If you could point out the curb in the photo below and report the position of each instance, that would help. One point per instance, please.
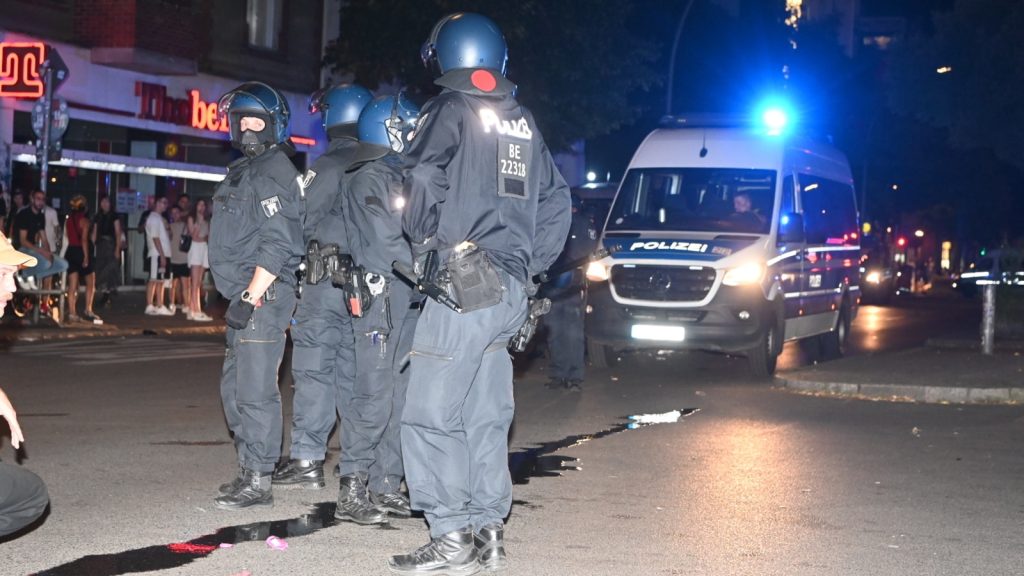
(908, 393)
(951, 343)
(31, 335)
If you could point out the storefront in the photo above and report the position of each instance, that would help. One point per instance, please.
(131, 136)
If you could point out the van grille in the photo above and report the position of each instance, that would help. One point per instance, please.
(663, 283)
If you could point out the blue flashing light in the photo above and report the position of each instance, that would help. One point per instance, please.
(775, 119)
(784, 220)
(775, 116)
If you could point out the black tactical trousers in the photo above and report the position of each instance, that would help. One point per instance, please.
(565, 336)
(248, 385)
(458, 411)
(374, 446)
(323, 367)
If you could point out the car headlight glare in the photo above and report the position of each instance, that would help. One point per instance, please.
(750, 273)
(874, 277)
(597, 272)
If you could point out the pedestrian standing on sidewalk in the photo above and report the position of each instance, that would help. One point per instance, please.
(180, 272)
(255, 250)
(159, 244)
(23, 496)
(78, 232)
(107, 237)
(198, 259)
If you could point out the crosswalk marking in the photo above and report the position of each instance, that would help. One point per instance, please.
(100, 352)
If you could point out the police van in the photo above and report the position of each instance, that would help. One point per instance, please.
(727, 239)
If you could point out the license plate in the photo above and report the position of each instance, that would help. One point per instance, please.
(658, 332)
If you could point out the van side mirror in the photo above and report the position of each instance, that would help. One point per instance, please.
(791, 228)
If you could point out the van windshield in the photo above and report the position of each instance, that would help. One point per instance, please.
(695, 199)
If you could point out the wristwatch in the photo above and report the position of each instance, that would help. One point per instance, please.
(247, 297)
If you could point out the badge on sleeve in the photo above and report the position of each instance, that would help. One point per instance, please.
(271, 206)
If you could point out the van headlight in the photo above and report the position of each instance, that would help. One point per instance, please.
(597, 271)
(750, 273)
(874, 277)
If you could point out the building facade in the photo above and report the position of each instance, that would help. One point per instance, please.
(144, 77)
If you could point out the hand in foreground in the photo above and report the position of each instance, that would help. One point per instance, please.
(7, 411)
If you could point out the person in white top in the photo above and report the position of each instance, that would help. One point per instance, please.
(159, 243)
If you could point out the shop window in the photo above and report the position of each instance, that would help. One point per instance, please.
(264, 20)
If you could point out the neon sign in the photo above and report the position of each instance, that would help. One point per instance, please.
(19, 69)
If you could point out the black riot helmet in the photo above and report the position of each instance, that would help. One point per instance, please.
(256, 99)
(465, 40)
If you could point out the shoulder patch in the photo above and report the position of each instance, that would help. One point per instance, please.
(271, 206)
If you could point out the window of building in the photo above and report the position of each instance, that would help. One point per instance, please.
(264, 20)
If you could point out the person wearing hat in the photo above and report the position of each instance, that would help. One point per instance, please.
(23, 496)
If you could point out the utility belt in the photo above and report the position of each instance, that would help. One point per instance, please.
(326, 262)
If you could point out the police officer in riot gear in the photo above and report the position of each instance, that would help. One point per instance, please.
(371, 457)
(323, 357)
(567, 294)
(255, 248)
(483, 192)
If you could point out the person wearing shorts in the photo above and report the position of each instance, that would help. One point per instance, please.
(179, 262)
(79, 257)
(198, 259)
(159, 243)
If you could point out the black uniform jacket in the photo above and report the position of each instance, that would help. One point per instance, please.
(322, 200)
(478, 170)
(374, 201)
(256, 222)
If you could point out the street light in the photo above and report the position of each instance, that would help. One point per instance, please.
(672, 58)
(919, 233)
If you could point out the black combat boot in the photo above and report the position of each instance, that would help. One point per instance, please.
(354, 503)
(233, 486)
(253, 492)
(490, 547)
(394, 503)
(303, 473)
(453, 553)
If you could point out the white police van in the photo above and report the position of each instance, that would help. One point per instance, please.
(727, 239)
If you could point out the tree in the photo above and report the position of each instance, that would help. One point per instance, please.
(981, 43)
(575, 61)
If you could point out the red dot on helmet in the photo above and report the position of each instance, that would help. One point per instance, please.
(483, 80)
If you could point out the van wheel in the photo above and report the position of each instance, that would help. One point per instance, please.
(601, 356)
(833, 344)
(765, 355)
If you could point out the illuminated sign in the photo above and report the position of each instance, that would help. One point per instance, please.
(155, 104)
(19, 69)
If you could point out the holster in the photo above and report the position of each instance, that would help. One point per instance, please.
(352, 281)
(474, 281)
(322, 262)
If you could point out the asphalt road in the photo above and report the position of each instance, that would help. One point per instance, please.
(129, 437)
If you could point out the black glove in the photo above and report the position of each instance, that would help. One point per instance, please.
(239, 313)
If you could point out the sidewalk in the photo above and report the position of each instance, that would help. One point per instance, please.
(946, 370)
(123, 317)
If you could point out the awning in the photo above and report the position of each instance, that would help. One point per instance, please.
(124, 164)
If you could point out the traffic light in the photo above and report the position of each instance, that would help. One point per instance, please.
(901, 242)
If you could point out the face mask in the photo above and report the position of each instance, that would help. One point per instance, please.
(251, 145)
